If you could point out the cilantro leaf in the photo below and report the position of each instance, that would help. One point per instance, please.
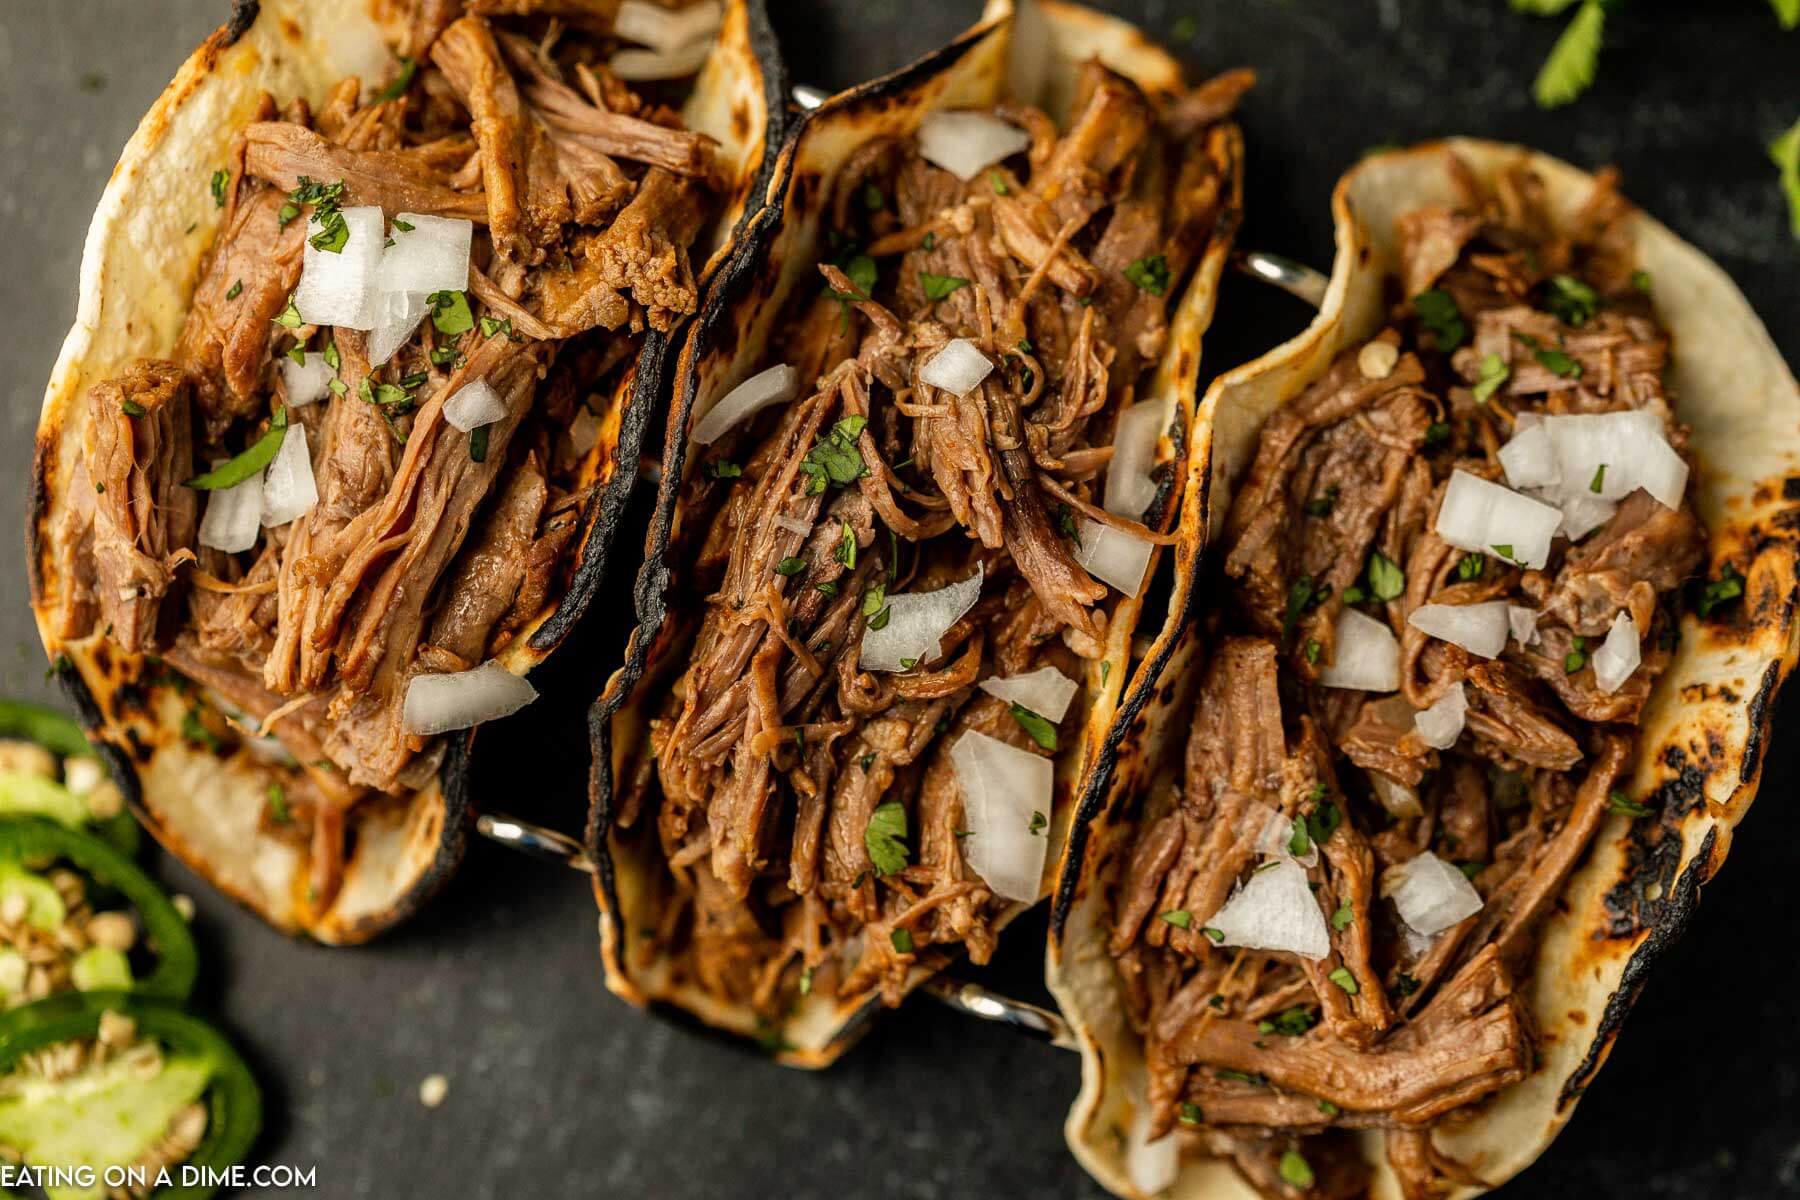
(1042, 731)
(1784, 151)
(1438, 313)
(234, 471)
(1726, 588)
(1492, 373)
(402, 81)
(1149, 274)
(882, 838)
(1570, 68)
(938, 286)
(450, 312)
(1386, 579)
(1573, 301)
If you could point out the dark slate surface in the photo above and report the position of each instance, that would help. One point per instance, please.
(557, 1089)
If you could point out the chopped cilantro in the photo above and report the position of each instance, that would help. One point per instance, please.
(1492, 373)
(882, 838)
(1619, 802)
(234, 471)
(1180, 918)
(1573, 301)
(1042, 731)
(902, 939)
(1344, 979)
(1726, 588)
(938, 286)
(790, 566)
(450, 313)
(221, 179)
(1386, 580)
(1149, 274)
(1438, 313)
(1295, 1170)
(402, 81)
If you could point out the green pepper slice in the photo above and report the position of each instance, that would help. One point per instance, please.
(63, 738)
(234, 1102)
(27, 839)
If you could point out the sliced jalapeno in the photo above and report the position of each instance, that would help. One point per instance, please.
(28, 840)
(197, 1062)
(38, 795)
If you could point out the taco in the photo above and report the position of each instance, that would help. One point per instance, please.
(1499, 595)
(923, 454)
(373, 315)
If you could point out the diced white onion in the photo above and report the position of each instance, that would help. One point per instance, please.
(459, 699)
(1522, 623)
(793, 526)
(1129, 487)
(1045, 691)
(1367, 655)
(1152, 1166)
(233, 516)
(1582, 513)
(636, 66)
(1430, 894)
(1399, 799)
(288, 487)
(1113, 556)
(1480, 516)
(777, 385)
(432, 256)
(1633, 447)
(306, 383)
(1619, 655)
(1480, 629)
(584, 431)
(473, 405)
(397, 314)
(1441, 723)
(340, 288)
(917, 621)
(1275, 910)
(1528, 458)
(957, 368)
(967, 143)
(1276, 838)
(1004, 788)
(666, 28)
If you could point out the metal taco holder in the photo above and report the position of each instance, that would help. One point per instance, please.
(971, 999)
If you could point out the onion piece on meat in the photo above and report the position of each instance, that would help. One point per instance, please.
(1477, 515)
(1480, 629)
(473, 405)
(1522, 623)
(1528, 458)
(1045, 691)
(308, 382)
(459, 699)
(958, 367)
(1440, 723)
(662, 28)
(1430, 894)
(339, 287)
(1611, 455)
(431, 256)
(1275, 910)
(1619, 655)
(397, 315)
(1367, 656)
(233, 515)
(1129, 485)
(967, 143)
(916, 623)
(777, 385)
(1005, 791)
(1113, 556)
(288, 487)
(636, 66)
(1399, 799)
(1275, 838)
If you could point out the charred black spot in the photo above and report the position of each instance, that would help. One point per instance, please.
(37, 507)
(1758, 717)
(1653, 850)
(1668, 924)
(243, 16)
(140, 750)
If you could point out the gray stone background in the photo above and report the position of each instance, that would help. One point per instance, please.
(557, 1089)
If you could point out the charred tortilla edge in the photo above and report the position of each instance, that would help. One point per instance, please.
(265, 45)
(1700, 748)
(823, 1029)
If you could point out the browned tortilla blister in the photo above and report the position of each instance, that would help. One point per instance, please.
(1704, 733)
(144, 253)
(1040, 48)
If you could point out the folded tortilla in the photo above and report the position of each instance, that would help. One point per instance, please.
(1035, 52)
(145, 250)
(1700, 746)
